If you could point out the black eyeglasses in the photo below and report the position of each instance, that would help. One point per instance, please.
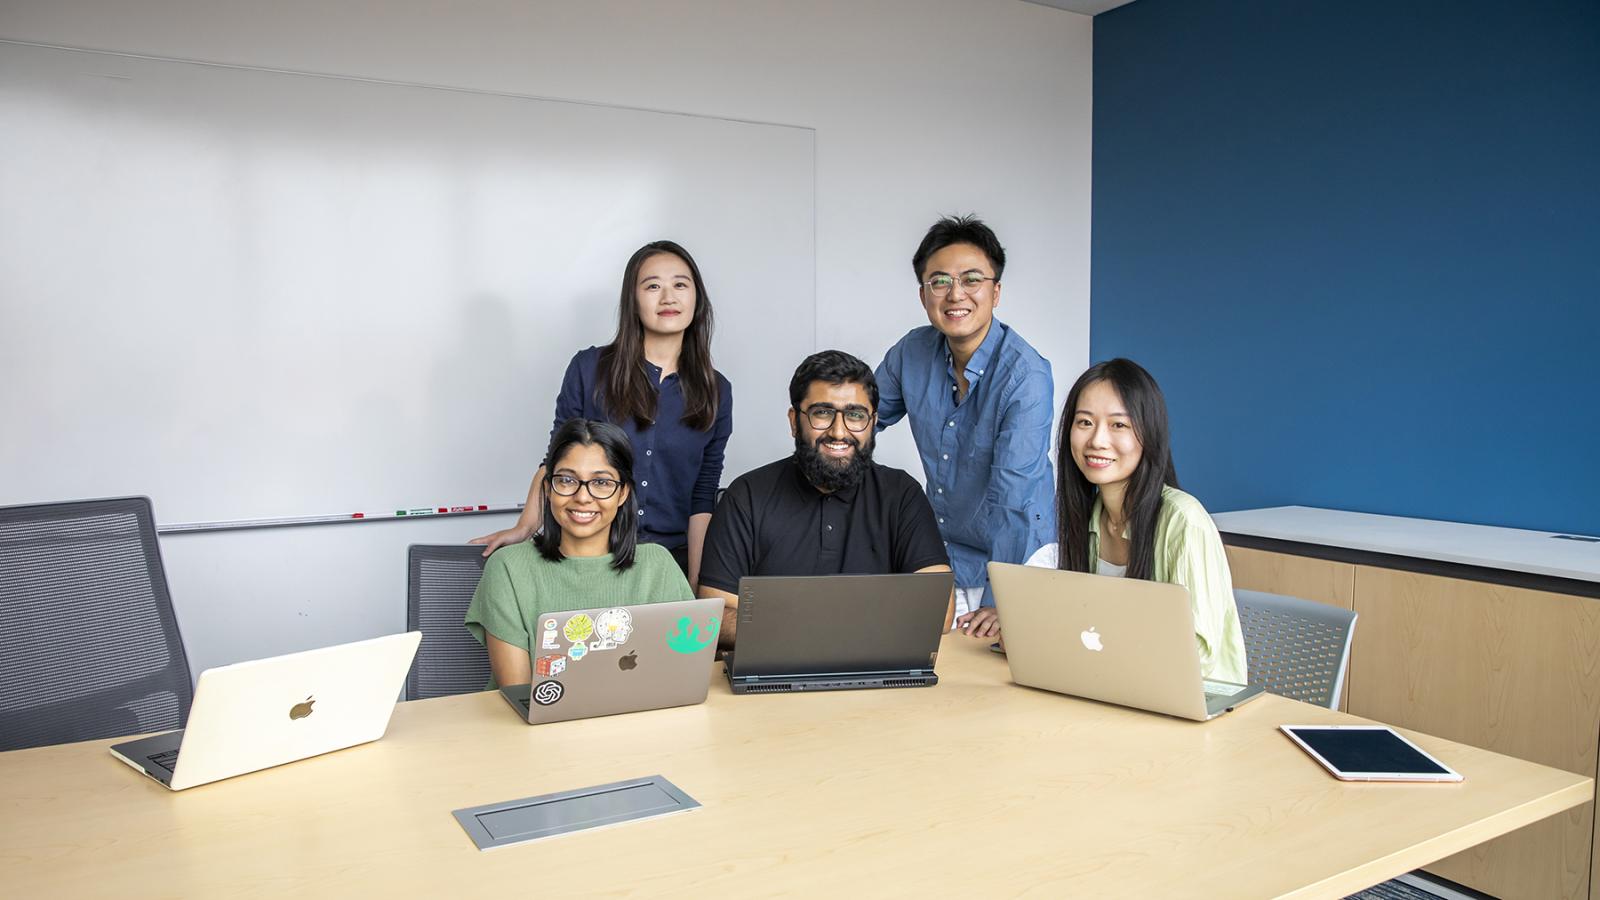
(855, 418)
(599, 488)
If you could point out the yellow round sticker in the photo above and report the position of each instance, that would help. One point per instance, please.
(579, 627)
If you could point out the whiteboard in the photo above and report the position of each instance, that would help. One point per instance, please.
(251, 293)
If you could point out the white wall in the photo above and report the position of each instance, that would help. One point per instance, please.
(312, 292)
(921, 107)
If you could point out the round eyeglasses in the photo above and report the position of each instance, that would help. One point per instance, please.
(599, 488)
(971, 282)
(855, 418)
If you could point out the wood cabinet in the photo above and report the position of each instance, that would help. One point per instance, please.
(1507, 668)
(1511, 670)
(1322, 580)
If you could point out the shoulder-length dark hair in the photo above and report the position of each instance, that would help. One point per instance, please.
(626, 389)
(1075, 495)
(624, 537)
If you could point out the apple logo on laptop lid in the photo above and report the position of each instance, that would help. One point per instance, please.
(1091, 639)
(301, 710)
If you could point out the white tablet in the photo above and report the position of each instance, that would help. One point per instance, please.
(1368, 753)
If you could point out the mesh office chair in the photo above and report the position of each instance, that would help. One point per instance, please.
(450, 661)
(1296, 648)
(89, 646)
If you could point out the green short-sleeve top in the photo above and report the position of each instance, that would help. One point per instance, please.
(519, 587)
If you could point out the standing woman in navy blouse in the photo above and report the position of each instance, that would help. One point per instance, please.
(655, 379)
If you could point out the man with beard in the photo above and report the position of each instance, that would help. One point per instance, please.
(828, 509)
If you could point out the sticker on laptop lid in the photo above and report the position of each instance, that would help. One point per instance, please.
(577, 651)
(550, 666)
(688, 639)
(578, 628)
(548, 693)
(614, 626)
(550, 641)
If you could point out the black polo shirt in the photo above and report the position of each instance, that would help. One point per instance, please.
(773, 522)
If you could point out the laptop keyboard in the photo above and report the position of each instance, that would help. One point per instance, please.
(1221, 688)
(167, 760)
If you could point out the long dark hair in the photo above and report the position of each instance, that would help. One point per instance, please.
(624, 535)
(1141, 502)
(626, 390)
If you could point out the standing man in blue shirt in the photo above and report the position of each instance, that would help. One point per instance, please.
(979, 401)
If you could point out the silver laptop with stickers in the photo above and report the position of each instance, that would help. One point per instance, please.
(619, 659)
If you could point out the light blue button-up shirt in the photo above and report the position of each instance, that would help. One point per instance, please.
(987, 459)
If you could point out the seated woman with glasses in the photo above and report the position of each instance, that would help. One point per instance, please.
(1119, 511)
(587, 555)
(656, 381)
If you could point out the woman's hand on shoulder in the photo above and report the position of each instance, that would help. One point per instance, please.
(516, 534)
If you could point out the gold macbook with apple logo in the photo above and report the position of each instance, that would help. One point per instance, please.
(618, 659)
(266, 712)
(1119, 640)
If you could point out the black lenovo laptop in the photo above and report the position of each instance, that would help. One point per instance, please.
(838, 632)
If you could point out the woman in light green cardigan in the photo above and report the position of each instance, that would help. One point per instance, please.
(1119, 511)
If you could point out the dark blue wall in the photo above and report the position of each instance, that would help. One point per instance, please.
(1357, 244)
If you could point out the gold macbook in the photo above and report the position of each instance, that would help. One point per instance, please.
(267, 712)
(1121, 640)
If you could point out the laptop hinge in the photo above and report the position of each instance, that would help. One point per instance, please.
(821, 676)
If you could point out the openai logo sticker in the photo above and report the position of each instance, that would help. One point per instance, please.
(548, 693)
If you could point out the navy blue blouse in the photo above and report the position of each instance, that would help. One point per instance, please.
(676, 469)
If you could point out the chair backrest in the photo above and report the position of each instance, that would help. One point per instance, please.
(1296, 648)
(89, 645)
(439, 587)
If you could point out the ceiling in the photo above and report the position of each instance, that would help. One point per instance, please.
(1087, 7)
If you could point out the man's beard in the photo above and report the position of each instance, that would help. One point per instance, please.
(828, 475)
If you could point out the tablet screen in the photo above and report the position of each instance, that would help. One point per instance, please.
(1364, 750)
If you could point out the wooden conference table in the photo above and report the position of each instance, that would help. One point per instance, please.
(974, 786)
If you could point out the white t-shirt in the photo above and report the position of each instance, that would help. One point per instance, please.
(1047, 557)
